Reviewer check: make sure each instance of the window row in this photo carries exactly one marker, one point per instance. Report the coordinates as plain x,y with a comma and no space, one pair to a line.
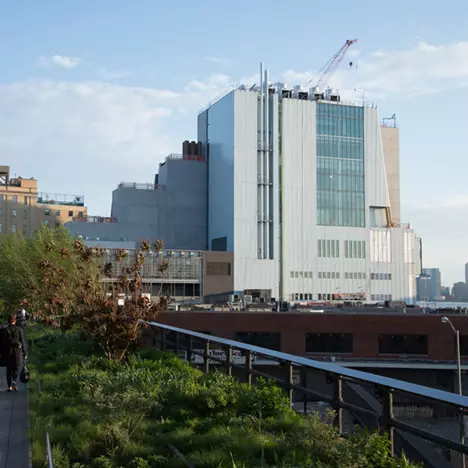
354,275
14,212
340,121
325,297
328,248
302,297
14,227
339,110
331,248
218,268
339,147
343,184
47,212
380,276
355,249
301,274
381,297
71,213
15,199
342,343
337,217
340,166
328,275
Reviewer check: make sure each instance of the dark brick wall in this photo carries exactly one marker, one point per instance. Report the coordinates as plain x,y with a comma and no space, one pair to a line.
294,326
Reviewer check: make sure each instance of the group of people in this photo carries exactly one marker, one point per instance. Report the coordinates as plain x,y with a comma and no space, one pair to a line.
11,348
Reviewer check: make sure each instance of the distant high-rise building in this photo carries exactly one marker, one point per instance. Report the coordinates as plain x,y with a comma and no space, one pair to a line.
460,291
429,285
466,273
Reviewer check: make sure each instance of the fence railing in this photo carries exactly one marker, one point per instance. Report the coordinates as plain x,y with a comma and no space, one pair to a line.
50,462
371,400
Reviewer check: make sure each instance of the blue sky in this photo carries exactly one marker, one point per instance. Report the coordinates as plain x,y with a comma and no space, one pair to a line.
92,93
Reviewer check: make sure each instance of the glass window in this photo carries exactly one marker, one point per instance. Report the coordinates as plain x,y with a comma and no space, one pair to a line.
46,222
270,340
14,198
403,344
1,211
13,228
13,212
329,343
1,227
70,213
47,212
57,213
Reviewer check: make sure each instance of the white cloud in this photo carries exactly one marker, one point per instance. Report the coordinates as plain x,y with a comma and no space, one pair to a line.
451,202
422,69
60,61
85,137
218,60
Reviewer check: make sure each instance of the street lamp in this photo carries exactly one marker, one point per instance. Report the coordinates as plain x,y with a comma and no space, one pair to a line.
460,390
457,334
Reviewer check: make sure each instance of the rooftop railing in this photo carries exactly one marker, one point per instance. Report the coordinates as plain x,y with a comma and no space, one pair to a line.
94,219
141,186
371,400
60,199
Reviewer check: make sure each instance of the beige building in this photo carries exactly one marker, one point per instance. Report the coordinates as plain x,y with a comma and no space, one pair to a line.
23,208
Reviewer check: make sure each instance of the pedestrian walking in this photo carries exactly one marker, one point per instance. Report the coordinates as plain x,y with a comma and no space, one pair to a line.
14,346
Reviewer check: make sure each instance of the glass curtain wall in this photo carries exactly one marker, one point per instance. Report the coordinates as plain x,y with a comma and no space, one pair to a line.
340,165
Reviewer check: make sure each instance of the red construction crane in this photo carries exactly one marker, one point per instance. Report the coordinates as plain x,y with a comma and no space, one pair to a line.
322,78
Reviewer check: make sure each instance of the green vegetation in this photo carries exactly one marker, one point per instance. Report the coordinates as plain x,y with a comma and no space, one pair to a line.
107,405
102,413
61,283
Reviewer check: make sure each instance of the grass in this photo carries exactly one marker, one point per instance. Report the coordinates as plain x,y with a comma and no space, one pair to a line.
102,414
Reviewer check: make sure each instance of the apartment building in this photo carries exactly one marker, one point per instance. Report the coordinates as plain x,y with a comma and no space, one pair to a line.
23,208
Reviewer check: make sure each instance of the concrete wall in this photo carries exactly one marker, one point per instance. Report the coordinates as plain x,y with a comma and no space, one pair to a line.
252,272
175,213
390,143
217,283
299,202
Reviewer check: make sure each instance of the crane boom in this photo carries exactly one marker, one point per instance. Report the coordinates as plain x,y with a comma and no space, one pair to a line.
322,78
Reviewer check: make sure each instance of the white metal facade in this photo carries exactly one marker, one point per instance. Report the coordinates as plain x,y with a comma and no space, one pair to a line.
378,261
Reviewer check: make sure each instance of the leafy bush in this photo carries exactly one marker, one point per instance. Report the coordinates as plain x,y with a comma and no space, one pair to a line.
103,414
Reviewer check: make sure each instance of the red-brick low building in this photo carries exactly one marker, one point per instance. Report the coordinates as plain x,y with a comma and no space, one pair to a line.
352,336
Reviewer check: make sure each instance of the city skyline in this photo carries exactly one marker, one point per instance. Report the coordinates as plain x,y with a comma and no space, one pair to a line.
84,109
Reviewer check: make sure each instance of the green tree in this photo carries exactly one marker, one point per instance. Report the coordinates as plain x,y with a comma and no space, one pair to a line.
63,283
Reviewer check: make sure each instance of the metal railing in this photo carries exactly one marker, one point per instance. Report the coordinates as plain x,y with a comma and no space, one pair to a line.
352,391
141,186
50,462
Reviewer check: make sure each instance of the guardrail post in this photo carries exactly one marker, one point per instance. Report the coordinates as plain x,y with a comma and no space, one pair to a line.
228,362
177,345
338,402
249,367
290,383
461,420
162,334
386,425
189,350
206,356
304,384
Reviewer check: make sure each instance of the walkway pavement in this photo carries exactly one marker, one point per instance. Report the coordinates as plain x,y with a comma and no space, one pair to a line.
14,426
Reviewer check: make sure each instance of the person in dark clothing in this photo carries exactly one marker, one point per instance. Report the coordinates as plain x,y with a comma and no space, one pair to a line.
14,346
